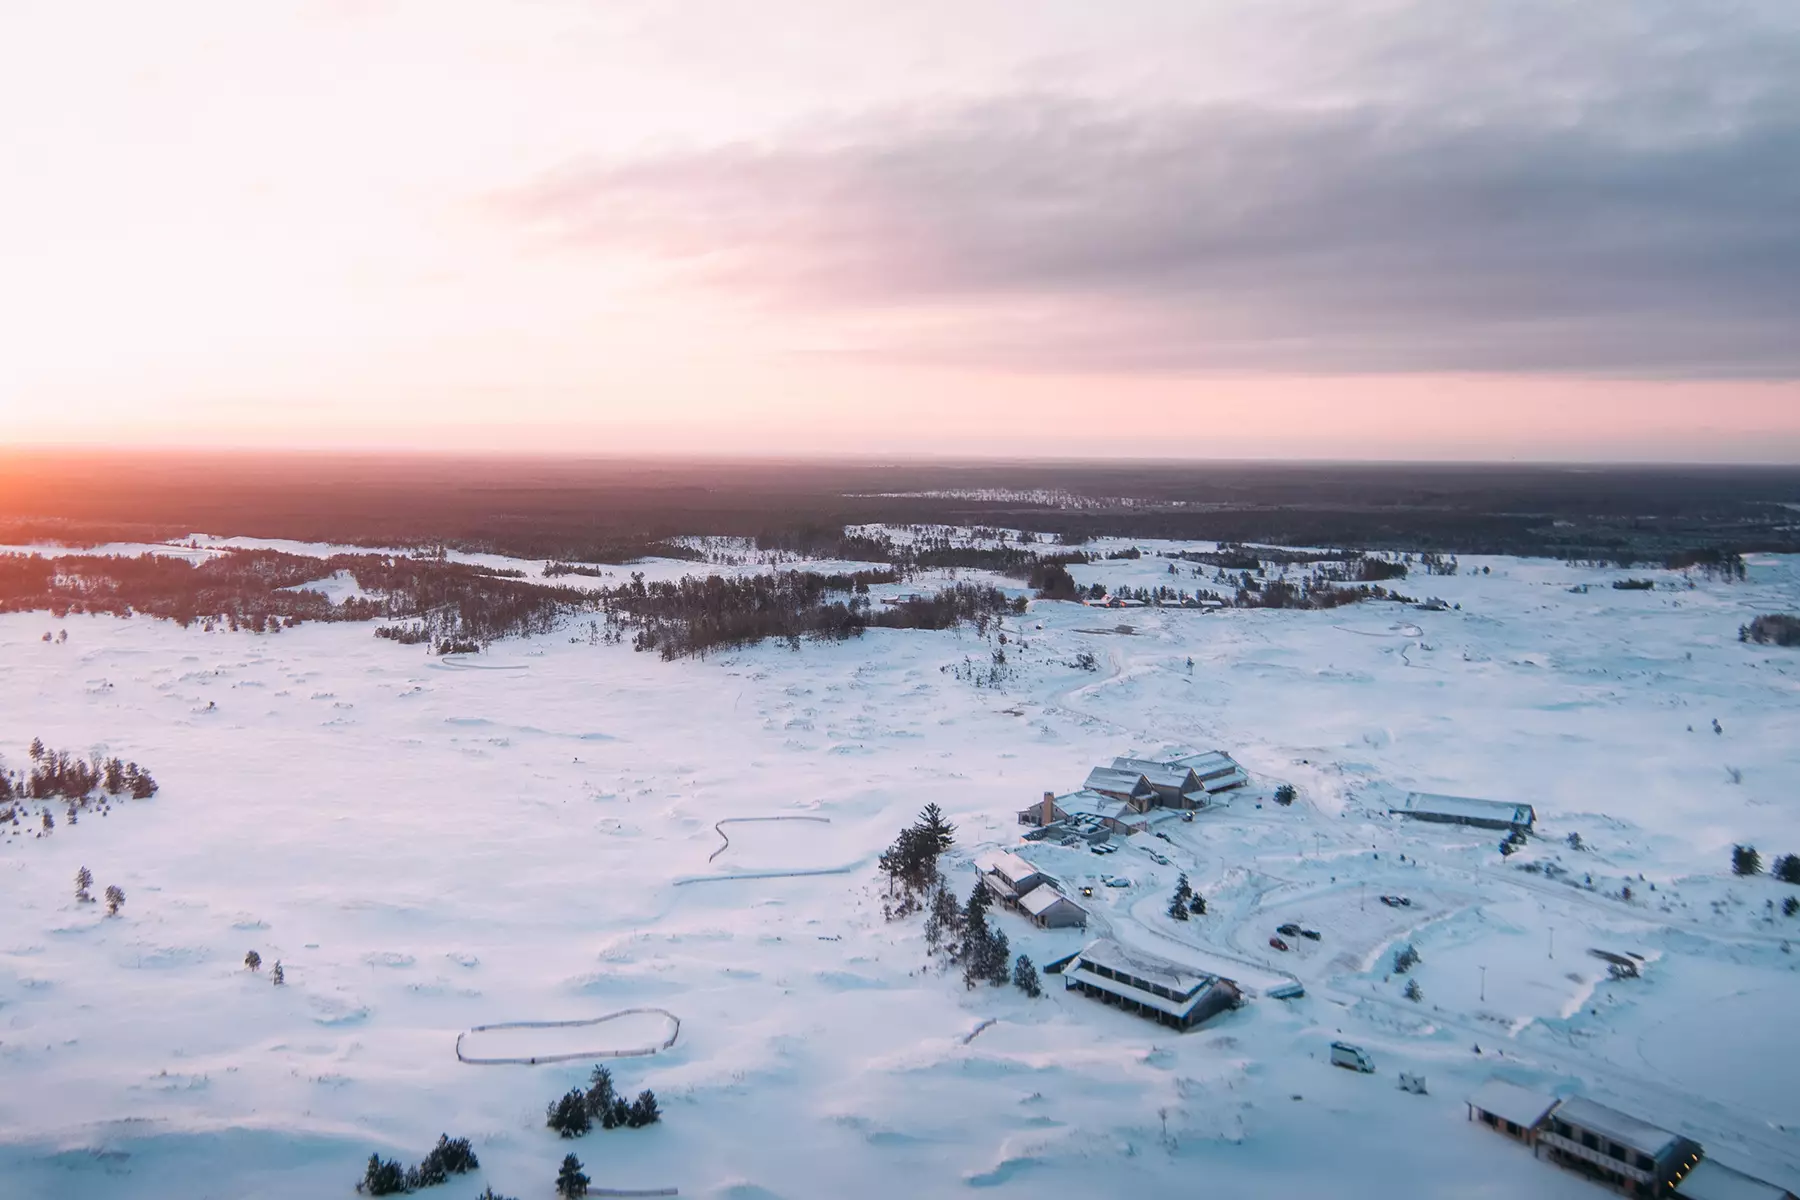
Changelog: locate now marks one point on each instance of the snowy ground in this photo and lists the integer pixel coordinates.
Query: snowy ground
(530, 835)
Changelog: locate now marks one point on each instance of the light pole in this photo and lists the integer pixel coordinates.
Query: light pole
(1484, 985)
(1553, 941)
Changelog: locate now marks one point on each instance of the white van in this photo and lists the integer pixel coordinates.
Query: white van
(1343, 1054)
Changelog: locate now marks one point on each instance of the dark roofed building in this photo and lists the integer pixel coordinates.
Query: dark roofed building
(1631, 1156)
(1177, 996)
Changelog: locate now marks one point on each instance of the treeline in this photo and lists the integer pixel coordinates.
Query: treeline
(687, 617)
(60, 775)
(1780, 629)
(931, 548)
(263, 591)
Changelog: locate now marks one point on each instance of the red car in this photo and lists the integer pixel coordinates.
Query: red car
(1278, 943)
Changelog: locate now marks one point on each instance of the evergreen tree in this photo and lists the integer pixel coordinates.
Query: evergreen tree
(974, 922)
(382, 1177)
(37, 749)
(486, 1193)
(570, 1182)
(941, 833)
(278, 977)
(568, 1114)
(115, 899)
(1790, 906)
(1178, 903)
(600, 1093)
(1197, 905)
(1286, 794)
(643, 1110)
(114, 776)
(997, 958)
(451, 1156)
(1405, 959)
(253, 960)
(1025, 978)
(1787, 868)
(84, 879)
(142, 787)
(1413, 991)
(946, 916)
(1745, 861)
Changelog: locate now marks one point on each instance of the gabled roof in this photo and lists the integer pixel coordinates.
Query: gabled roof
(1510, 1102)
(1209, 764)
(1160, 775)
(1465, 808)
(1195, 986)
(1006, 864)
(1713, 1180)
(1622, 1128)
(1040, 900)
(1111, 779)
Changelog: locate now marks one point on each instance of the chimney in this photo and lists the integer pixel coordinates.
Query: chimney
(1048, 812)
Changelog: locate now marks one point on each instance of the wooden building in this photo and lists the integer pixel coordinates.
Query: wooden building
(1517, 1112)
(1633, 1157)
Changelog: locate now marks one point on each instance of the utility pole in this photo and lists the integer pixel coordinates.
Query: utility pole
(1553, 941)
(1484, 985)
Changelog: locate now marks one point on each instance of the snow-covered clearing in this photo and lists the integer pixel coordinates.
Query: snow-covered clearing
(432, 845)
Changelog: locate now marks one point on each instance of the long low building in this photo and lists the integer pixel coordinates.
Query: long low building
(1177, 996)
(1050, 909)
(1632, 1156)
(1713, 1180)
(1465, 810)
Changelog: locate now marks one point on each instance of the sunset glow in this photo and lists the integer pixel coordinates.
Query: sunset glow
(1295, 230)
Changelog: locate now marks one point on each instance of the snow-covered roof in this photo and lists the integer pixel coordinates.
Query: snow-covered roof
(1039, 901)
(1216, 770)
(1006, 864)
(1097, 805)
(1111, 779)
(1616, 1126)
(1465, 808)
(1159, 775)
(1510, 1102)
(1713, 1180)
(1110, 954)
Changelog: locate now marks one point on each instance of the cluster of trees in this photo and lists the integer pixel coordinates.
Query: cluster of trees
(60, 775)
(1186, 901)
(1405, 958)
(911, 861)
(1710, 561)
(1780, 629)
(1747, 860)
(253, 590)
(253, 961)
(575, 1113)
(686, 617)
(451, 1156)
(115, 895)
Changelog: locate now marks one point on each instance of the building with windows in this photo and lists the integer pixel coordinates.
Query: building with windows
(1633, 1157)
(1177, 996)
(1518, 1112)
(1050, 909)
(1713, 1180)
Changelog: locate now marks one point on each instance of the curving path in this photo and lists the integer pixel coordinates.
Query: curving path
(717, 828)
(537, 1059)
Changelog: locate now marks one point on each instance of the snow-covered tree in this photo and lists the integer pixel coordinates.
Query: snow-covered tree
(1025, 977)
(570, 1182)
(115, 899)
(253, 960)
(84, 879)
(278, 977)
(1745, 861)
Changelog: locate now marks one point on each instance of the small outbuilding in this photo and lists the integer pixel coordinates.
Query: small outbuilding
(1518, 1112)
(1050, 909)
(1464, 810)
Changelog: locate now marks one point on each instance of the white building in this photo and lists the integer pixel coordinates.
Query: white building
(1463, 810)
(1177, 996)
(1050, 909)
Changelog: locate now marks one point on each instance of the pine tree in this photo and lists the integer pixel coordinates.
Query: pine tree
(942, 834)
(570, 1182)
(997, 957)
(1413, 991)
(1178, 903)
(600, 1093)
(1405, 959)
(568, 1114)
(1025, 978)
(115, 899)
(253, 960)
(1790, 906)
(84, 879)
(1197, 905)
(643, 1110)
(382, 1177)
(114, 776)
(487, 1193)
(1787, 868)
(451, 1156)
(1286, 794)
(1745, 861)
(278, 977)
(37, 749)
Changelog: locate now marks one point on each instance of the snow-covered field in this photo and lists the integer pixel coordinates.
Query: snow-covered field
(533, 834)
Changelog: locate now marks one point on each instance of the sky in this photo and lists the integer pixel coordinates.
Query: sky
(1288, 229)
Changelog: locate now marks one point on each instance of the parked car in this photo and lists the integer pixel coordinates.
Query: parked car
(1354, 1058)
(1103, 848)
(1159, 859)
(1117, 881)
(1278, 943)
(1396, 901)
(1165, 837)
(1288, 930)
(1311, 934)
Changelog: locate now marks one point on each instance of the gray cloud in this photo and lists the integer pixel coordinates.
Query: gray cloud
(1641, 228)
